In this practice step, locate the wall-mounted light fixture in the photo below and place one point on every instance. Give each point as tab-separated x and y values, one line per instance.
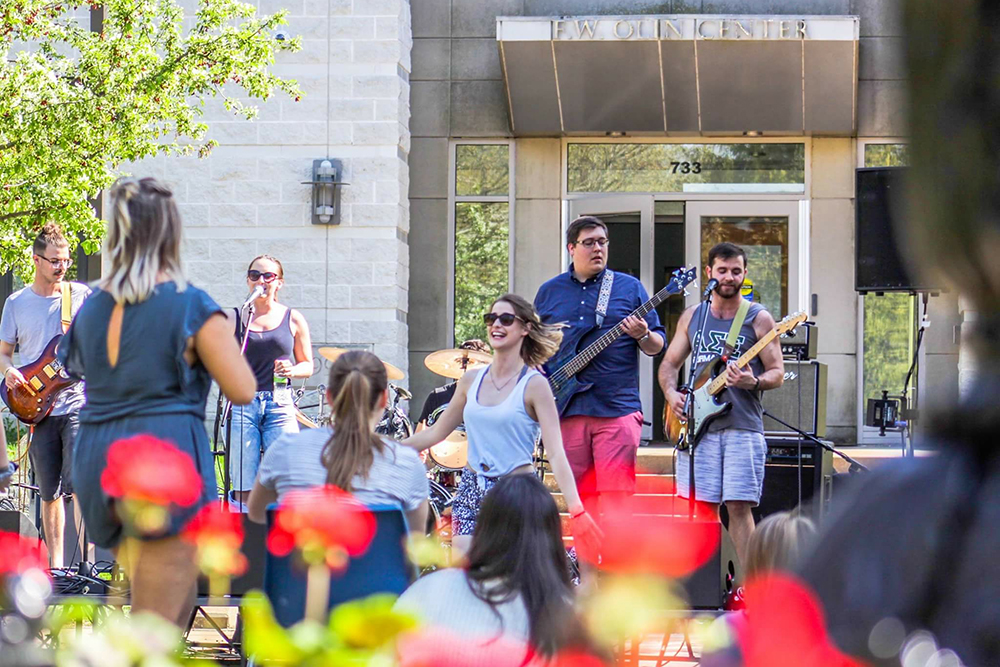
326	191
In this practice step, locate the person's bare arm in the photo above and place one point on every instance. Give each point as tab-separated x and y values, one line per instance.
447	422
673	361
217	349
257	503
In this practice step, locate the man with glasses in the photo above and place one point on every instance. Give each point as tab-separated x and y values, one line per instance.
32	317
601	427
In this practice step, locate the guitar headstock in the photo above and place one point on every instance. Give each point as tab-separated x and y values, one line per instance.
681	278
790	322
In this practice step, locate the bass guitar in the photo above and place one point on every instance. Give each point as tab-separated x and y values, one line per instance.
571	360
44	378
709	390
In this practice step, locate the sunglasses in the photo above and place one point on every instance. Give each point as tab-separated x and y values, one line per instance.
254	275
506	319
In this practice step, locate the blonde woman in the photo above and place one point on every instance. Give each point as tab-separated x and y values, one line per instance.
149	345
503	407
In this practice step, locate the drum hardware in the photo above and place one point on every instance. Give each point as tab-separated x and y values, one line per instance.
331	354
454	363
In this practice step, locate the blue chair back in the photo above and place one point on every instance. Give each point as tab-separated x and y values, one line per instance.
383	568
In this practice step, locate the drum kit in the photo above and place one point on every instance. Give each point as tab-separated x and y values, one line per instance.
446	459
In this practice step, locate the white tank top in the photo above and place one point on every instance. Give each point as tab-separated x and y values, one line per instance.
501	437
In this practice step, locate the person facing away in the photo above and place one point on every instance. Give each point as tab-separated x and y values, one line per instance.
513	601
351	456
504	407
149	345
278	349
729	461
602	426
31	318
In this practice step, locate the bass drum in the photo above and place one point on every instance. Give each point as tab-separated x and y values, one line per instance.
452	453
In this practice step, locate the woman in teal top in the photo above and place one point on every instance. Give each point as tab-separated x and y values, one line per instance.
504	406
149	345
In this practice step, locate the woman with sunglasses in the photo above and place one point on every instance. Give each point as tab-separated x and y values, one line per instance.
504	406
278	349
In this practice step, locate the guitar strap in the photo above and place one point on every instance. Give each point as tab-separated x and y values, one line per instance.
605	296
67	306
734	330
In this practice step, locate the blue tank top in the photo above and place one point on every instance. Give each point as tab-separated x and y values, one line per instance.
501	437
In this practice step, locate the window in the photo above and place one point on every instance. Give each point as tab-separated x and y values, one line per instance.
888	320
482	208
694	168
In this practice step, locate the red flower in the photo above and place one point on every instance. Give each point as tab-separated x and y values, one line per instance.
324	523
149	470
218	534
786	627
19	554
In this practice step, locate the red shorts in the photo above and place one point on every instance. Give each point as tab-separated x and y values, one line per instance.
602	451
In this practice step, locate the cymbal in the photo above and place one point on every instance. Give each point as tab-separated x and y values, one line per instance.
331	354
454	363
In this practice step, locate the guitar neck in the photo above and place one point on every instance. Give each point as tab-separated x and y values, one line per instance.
748	356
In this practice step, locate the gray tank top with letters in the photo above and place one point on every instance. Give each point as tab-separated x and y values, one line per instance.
746	413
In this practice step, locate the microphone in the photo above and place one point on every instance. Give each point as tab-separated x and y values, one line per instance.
712	284
258	291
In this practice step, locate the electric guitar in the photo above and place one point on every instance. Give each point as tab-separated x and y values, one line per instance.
570	360
44	378
709	388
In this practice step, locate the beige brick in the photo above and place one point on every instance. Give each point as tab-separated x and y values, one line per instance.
283	215
233	215
233	169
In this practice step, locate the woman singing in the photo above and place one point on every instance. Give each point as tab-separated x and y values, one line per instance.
278	348
149	345
503	407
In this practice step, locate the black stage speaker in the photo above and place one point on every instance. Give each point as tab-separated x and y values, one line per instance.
12	521
709	585
254	549
879	265
781	473
803	393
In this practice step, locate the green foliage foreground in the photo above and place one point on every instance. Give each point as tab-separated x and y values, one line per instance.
76	104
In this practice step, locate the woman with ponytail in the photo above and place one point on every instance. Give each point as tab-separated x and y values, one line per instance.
351	456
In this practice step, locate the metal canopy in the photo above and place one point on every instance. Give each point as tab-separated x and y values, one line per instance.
686	75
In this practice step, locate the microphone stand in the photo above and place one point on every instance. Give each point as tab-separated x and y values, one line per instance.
227	481
689	403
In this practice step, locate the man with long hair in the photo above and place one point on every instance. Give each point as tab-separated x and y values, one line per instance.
32	316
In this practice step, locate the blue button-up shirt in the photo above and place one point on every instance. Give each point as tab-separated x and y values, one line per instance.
615	371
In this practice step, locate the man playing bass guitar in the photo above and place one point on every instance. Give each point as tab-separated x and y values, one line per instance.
602	425
32	317
729	461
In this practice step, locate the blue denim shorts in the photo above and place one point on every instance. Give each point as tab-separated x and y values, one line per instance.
255	427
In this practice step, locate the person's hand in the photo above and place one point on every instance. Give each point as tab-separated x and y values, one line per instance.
675	400
636	327
13	378
740	378
587	536
283	368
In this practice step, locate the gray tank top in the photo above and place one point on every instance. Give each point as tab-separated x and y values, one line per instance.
747	413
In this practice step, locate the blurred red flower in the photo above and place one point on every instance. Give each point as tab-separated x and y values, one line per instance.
149	470
785	626
218	535
325	524
20	554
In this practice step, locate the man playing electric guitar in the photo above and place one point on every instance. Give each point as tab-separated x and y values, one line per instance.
729	460
602	425
32	317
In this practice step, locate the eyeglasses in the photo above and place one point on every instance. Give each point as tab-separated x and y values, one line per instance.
590	243
506	319
57	263
254	275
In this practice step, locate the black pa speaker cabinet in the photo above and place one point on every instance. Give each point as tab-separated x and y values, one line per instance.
12	521
708	586
781	477
254	549
879	264
799	401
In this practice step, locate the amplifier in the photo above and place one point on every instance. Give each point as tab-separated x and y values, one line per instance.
800	344
781	477
802	394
